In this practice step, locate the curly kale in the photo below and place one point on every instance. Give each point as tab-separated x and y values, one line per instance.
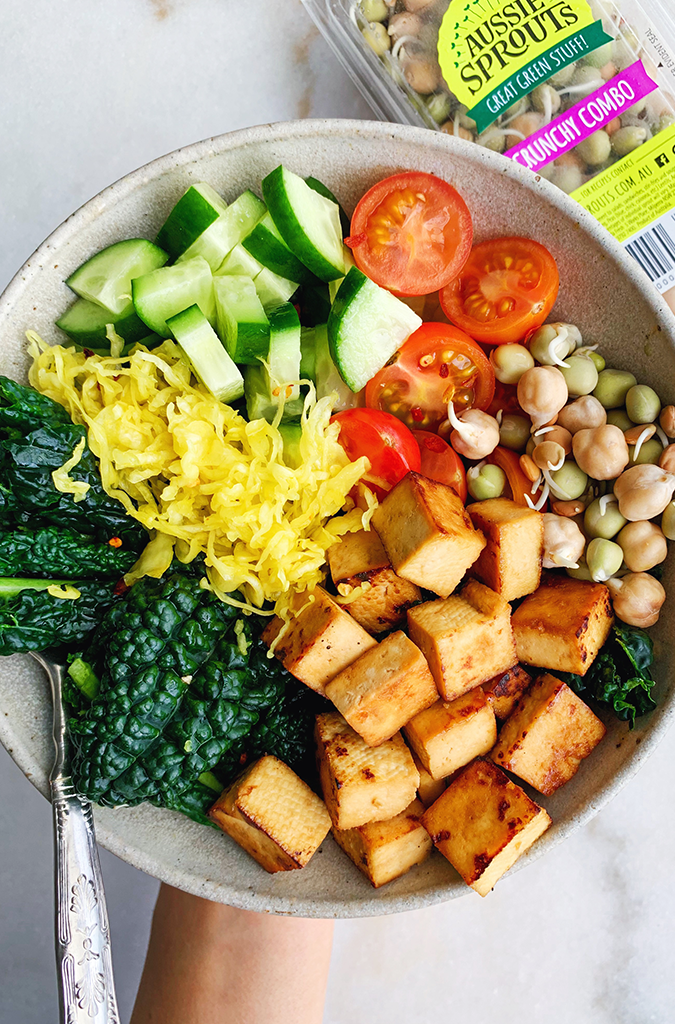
32	619
60	552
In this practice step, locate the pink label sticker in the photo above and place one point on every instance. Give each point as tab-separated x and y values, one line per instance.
586	117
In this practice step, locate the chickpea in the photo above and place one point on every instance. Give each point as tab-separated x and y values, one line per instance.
584	414
510	362
580	375
603	558
548	455
404	24
637	599
613	386
542	392
452	128
475	434
557	434
523	126
667	459
601	452
514	431
422	75
416	5
644	545
564	542
643	492
667	420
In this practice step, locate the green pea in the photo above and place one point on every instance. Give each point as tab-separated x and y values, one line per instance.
604	558
563	77
597	360
492	138
514	432
375	10
545	99
668	521
439	106
580	375
588	77
488	482
377	37
643	405
582	573
547	342
598	58
620	418
650	451
607	525
595	149
570	479
625	140
612	387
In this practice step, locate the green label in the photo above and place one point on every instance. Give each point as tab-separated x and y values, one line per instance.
492	52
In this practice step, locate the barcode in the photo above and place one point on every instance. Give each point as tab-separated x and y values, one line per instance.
654	250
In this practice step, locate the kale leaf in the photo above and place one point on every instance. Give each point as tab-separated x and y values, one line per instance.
34	620
60	552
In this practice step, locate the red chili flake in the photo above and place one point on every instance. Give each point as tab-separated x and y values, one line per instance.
115	542
417	414
243	759
87	353
444	370
121	588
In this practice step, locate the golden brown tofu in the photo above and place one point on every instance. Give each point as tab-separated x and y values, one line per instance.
563	625
382	690
466	638
483	822
445	737
385	850
548	735
273	815
503	690
429	789
320	641
360	558
510	562
427	533
362	783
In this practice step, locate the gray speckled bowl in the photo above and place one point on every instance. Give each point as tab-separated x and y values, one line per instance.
602	291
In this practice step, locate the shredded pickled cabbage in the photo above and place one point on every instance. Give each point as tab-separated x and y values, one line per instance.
197	474
64	483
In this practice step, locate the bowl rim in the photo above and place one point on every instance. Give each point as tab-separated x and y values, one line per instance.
379	902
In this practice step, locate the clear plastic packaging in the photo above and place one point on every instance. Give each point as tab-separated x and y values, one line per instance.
580	91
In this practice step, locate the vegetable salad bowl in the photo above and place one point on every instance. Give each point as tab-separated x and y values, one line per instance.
601	290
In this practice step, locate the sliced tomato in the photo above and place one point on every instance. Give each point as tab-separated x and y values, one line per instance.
437	364
411	233
518	483
507	287
441	462
506	399
387	444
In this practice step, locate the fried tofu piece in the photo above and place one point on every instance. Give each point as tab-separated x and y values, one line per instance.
466	638
362	783
510	562
360	558
320	641
273	815
429	789
445	737
483	822
385	850
503	690
548	735
427	533
563	625
382	690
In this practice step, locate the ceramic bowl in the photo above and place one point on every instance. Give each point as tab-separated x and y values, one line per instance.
602	291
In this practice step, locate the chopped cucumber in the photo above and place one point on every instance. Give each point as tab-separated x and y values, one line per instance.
162	293
291	434
85	323
241	321
273	289
239	261
328	380
220	237
106	278
265	385
314	304
261	404
209	360
266	244
324	191
334	286
190	217
307	353
308	223
366	326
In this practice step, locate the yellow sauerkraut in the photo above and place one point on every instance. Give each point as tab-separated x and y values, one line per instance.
202	478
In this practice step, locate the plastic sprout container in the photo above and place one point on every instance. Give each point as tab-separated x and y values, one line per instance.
580	91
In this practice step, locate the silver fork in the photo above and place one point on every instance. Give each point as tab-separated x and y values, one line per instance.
83	958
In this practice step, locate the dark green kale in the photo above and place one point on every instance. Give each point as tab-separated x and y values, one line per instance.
60	552
24	409
32	619
287	731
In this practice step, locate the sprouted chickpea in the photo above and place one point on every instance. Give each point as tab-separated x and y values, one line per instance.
542	393
586	412
643	492
475	434
564	542
637	599
601	452
643	544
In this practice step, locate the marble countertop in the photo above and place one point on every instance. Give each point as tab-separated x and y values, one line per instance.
91	91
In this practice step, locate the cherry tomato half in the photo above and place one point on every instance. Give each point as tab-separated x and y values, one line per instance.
388	445
507	287
441	462
506	399
438	363
411	233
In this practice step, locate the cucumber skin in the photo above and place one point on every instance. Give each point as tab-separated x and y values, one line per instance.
323	190
274	194
348	290
127	324
174	238
276	256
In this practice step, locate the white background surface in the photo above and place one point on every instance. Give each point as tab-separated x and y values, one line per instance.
89	92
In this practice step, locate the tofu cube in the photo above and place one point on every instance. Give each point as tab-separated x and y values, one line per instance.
429	788
445	737
273	815
466	638
385	850
427	533
360	558
548	735
382	690
563	625
503	690
510	562
483	822
362	783
320	641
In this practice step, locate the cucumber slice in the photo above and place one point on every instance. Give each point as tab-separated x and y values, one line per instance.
308	223
169	290
192	215
209	360
328	380
334	286
264	384
273	289
226	231
239	261
85	323
366	326
106	278
241	321
307	353
266	244
291	435
261	404
324	191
